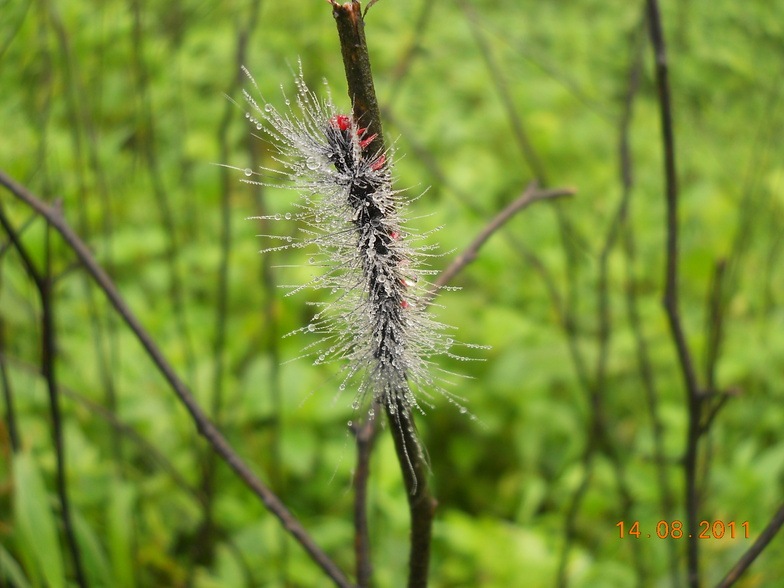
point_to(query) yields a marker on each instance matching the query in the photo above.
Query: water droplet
(371, 413)
(350, 423)
(247, 115)
(311, 327)
(312, 163)
(342, 387)
(463, 410)
(268, 107)
(312, 260)
(277, 217)
(355, 405)
(248, 171)
(258, 126)
(288, 216)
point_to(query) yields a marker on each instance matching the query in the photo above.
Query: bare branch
(759, 545)
(529, 196)
(671, 301)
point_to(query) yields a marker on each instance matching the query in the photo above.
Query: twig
(759, 545)
(643, 360)
(671, 302)
(149, 452)
(529, 196)
(365, 435)
(43, 284)
(420, 501)
(203, 424)
(356, 60)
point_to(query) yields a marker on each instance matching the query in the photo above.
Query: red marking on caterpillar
(340, 121)
(367, 141)
(378, 163)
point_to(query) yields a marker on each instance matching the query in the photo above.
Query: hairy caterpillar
(376, 327)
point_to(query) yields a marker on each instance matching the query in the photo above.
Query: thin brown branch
(203, 424)
(671, 295)
(44, 284)
(759, 545)
(148, 451)
(529, 196)
(626, 176)
(356, 60)
(421, 503)
(365, 434)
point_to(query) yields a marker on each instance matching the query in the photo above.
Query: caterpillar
(376, 326)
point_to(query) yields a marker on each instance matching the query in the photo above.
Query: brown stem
(671, 301)
(421, 503)
(759, 545)
(44, 283)
(529, 196)
(626, 165)
(365, 435)
(356, 60)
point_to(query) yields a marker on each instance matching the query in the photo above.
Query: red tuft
(367, 141)
(404, 304)
(340, 121)
(378, 164)
(395, 235)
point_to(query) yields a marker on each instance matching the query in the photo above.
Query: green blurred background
(118, 109)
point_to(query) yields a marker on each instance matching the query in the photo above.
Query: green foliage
(118, 109)
(36, 526)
